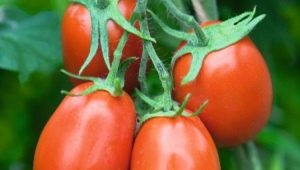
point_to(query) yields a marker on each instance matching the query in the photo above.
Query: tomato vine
(198, 43)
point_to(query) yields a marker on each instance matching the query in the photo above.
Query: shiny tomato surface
(76, 42)
(237, 84)
(88, 132)
(174, 144)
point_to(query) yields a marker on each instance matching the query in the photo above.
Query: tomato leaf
(29, 43)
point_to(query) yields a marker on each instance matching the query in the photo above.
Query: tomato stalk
(112, 75)
(163, 105)
(189, 20)
(140, 14)
(159, 66)
(172, 32)
(206, 10)
(142, 71)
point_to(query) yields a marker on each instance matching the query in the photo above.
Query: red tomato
(76, 41)
(237, 84)
(88, 132)
(176, 144)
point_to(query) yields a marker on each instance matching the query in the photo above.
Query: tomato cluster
(97, 130)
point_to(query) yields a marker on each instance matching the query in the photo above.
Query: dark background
(28, 98)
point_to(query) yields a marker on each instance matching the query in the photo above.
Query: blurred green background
(30, 81)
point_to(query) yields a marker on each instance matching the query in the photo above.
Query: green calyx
(113, 84)
(101, 11)
(220, 36)
(115, 81)
(175, 111)
(98, 84)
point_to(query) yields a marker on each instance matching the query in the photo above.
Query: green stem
(117, 59)
(118, 52)
(163, 75)
(118, 91)
(112, 76)
(117, 56)
(159, 66)
(146, 98)
(206, 10)
(141, 8)
(175, 33)
(254, 157)
(188, 19)
(102, 4)
(142, 72)
(242, 159)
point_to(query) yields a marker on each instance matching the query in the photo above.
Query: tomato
(237, 84)
(174, 143)
(76, 42)
(88, 132)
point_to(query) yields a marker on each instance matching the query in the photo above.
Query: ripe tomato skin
(76, 41)
(88, 132)
(174, 143)
(237, 84)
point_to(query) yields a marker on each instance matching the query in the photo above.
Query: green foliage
(281, 142)
(24, 110)
(59, 5)
(29, 44)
